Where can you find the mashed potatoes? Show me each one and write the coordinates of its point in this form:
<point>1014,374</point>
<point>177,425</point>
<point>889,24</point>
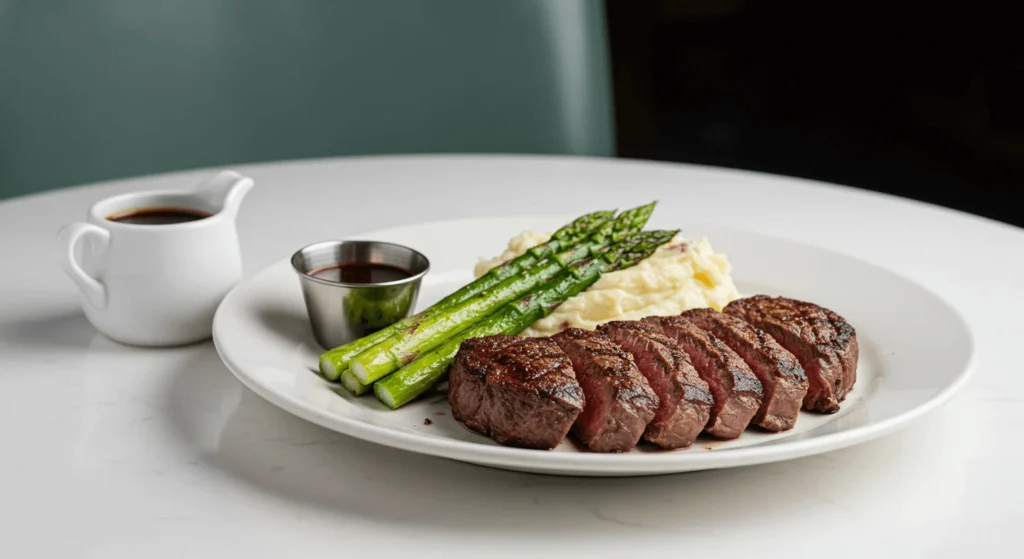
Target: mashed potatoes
<point>681,275</point>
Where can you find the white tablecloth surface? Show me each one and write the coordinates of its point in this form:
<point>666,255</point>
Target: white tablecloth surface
<point>111,451</point>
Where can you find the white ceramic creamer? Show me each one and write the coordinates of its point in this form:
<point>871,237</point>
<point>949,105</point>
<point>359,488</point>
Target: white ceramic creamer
<point>157,284</point>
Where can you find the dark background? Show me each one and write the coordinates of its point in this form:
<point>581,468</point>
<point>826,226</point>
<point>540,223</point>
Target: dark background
<point>924,103</point>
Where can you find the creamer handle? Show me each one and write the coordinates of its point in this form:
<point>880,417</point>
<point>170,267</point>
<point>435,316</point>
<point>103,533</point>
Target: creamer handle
<point>68,237</point>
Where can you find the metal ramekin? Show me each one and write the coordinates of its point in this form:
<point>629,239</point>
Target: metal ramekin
<point>340,312</point>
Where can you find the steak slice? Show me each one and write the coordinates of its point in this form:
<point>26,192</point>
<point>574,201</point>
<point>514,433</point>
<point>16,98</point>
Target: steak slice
<point>685,400</point>
<point>823,342</point>
<point>619,402</point>
<point>736,391</point>
<point>520,391</point>
<point>781,375</point>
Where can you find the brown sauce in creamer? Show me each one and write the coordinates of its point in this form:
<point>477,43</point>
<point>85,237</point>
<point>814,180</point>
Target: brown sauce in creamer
<point>361,272</point>
<point>158,216</point>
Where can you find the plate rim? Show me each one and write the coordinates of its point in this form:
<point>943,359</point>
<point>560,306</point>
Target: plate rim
<point>596,463</point>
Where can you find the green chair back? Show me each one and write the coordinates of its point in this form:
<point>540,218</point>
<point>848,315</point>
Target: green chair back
<point>101,89</point>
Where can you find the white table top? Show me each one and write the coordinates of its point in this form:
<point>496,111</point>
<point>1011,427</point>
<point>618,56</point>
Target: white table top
<point>111,451</point>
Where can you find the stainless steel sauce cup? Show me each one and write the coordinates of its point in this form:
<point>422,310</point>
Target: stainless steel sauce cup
<point>339,311</point>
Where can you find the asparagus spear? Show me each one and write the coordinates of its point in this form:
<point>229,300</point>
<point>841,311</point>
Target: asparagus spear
<point>415,378</point>
<point>598,225</point>
<point>600,239</point>
<point>401,348</point>
<point>334,362</point>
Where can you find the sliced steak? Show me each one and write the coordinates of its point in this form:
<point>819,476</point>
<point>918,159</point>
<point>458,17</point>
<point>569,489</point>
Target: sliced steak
<point>685,400</point>
<point>823,342</point>
<point>735,389</point>
<point>619,402</point>
<point>520,391</point>
<point>781,375</point>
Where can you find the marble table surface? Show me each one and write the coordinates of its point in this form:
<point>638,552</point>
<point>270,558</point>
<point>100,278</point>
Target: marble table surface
<point>115,451</point>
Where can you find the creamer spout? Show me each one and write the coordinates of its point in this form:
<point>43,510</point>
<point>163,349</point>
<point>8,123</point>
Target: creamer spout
<point>225,191</point>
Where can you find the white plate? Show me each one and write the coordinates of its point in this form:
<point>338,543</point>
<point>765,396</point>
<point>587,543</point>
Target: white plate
<point>915,351</point>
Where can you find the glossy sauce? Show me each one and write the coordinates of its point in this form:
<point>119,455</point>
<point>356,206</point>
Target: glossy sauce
<point>158,216</point>
<point>361,272</point>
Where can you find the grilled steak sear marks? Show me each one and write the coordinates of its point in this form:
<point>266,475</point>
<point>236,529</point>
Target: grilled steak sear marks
<point>735,389</point>
<point>781,375</point>
<point>685,399</point>
<point>619,402</point>
<point>520,391</point>
<point>823,342</point>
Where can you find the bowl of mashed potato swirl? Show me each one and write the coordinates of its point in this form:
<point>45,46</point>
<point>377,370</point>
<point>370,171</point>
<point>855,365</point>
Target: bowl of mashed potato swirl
<point>681,275</point>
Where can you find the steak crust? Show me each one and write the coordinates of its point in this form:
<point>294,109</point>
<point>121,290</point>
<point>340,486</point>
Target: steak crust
<point>519,391</point>
<point>619,403</point>
<point>781,375</point>
<point>824,343</point>
<point>685,399</point>
<point>736,391</point>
